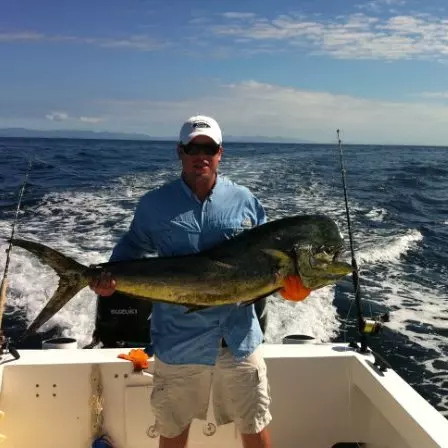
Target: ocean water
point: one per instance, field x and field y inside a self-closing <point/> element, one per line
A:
<point x="81" y="196"/>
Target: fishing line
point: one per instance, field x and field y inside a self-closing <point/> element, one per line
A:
<point x="355" y="276"/>
<point x="72" y="173"/>
<point x="4" y="284"/>
<point x="365" y="326"/>
<point x="83" y="176"/>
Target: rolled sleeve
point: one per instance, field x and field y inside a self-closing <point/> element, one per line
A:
<point x="260" y="212"/>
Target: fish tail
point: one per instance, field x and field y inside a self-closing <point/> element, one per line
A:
<point x="71" y="279"/>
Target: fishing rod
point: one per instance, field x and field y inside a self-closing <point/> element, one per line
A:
<point x="4" y="285"/>
<point x="365" y="326"/>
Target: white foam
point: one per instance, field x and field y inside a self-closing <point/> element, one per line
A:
<point x="315" y="316"/>
<point x="423" y="305"/>
<point x="389" y="248"/>
<point x="377" y="214"/>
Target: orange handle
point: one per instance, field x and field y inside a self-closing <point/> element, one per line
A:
<point x="138" y="358"/>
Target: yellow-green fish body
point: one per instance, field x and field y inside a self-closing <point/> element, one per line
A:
<point x="245" y="268"/>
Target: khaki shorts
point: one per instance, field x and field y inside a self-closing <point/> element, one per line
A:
<point x="239" y="388"/>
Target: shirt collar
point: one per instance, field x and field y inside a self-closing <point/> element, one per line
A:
<point x="190" y="193"/>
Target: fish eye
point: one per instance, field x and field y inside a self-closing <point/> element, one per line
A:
<point x="330" y="250"/>
<point x="323" y="250"/>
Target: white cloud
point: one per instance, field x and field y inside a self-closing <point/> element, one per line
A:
<point x="378" y="5"/>
<point x="199" y="20"/>
<point x="21" y="36"/>
<point x="434" y="95"/>
<point x="137" y="42"/>
<point x="143" y="43"/>
<point x="64" y="116"/>
<point x="91" y="120"/>
<point x="356" y="36"/>
<point x="254" y="108"/>
<point x="370" y="34"/>
<point x="57" y="116"/>
<point x="239" y="15"/>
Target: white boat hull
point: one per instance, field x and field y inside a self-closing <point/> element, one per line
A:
<point x="322" y="395"/>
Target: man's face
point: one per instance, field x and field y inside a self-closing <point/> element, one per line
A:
<point x="199" y="164"/>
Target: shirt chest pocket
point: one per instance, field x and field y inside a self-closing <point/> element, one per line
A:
<point x="177" y="237"/>
<point x="218" y="231"/>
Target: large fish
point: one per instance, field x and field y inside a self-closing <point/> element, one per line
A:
<point x="299" y="254"/>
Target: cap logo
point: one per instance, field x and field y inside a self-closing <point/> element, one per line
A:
<point x="200" y="124"/>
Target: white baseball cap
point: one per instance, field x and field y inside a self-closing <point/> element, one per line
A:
<point x="200" y="125"/>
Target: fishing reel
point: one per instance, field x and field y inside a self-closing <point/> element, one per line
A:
<point x="3" y="343"/>
<point x="374" y="326"/>
<point x="6" y="348"/>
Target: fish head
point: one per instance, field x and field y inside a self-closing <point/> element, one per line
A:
<point x="319" y="267"/>
<point x="317" y="258"/>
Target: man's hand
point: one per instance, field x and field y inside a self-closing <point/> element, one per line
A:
<point x="104" y="285"/>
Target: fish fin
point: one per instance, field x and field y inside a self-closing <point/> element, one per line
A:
<point x="67" y="289"/>
<point x="57" y="261"/>
<point x="282" y="257"/>
<point x="251" y="302"/>
<point x="70" y="279"/>
<point x="193" y="309"/>
<point x="224" y="265"/>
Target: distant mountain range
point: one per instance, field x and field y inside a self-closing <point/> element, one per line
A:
<point x="34" y="133"/>
<point x="263" y="139"/>
<point x="104" y="135"/>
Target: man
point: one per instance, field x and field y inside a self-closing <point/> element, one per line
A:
<point x="217" y="348"/>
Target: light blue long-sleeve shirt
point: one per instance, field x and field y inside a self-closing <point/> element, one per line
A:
<point x="173" y="221"/>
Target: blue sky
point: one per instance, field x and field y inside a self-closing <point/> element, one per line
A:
<point x="377" y="69"/>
